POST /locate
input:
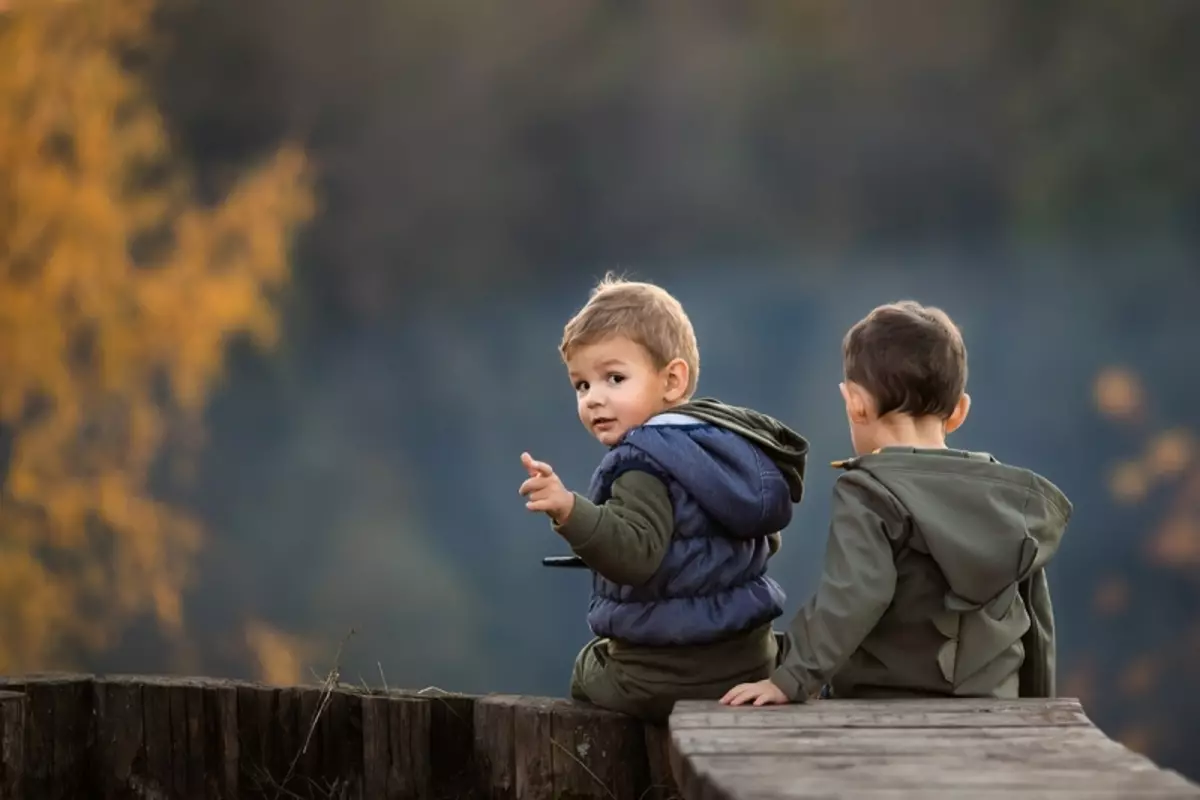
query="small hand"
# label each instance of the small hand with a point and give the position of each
(763, 693)
(544, 491)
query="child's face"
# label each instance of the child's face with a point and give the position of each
(618, 387)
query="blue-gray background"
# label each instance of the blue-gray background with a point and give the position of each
(781, 167)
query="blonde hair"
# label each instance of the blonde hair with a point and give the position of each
(644, 313)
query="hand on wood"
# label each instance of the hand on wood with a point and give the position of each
(762, 693)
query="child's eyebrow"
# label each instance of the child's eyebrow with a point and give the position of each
(611, 362)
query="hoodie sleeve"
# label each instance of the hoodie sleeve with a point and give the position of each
(625, 538)
(856, 586)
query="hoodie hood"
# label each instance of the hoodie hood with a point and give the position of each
(987, 525)
(745, 469)
(785, 447)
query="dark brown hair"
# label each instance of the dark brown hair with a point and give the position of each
(910, 357)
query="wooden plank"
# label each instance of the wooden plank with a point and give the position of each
(893, 793)
(495, 756)
(70, 698)
(157, 768)
(796, 741)
(396, 754)
(120, 738)
(59, 732)
(451, 738)
(908, 749)
(290, 732)
(213, 747)
(947, 772)
(12, 745)
(533, 736)
(832, 714)
(309, 765)
(176, 700)
(410, 743)
(341, 745)
(962, 705)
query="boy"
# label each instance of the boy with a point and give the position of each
(681, 516)
(934, 580)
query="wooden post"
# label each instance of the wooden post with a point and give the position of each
(131, 736)
(59, 733)
(494, 747)
(120, 738)
(396, 750)
(12, 745)
(658, 755)
(532, 747)
(451, 740)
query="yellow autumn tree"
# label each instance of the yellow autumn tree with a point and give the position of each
(119, 294)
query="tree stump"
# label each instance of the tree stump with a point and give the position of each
(12, 745)
(542, 748)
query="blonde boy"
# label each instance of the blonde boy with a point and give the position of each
(681, 516)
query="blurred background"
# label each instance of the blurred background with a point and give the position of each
(282, 284)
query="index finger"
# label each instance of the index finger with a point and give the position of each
(536, 467)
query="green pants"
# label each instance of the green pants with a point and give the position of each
(646, 682)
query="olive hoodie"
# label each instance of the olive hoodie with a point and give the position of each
(933, 583)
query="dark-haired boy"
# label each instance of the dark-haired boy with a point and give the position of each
(934, 578)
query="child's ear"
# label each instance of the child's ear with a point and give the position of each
(675, 377)
(858, 405)
(959, 415)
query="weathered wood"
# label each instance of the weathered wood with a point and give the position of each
(59, 732)
(907, 749)
(495, 747)
(880, 713)
(597, 753)
(158, 774)
(120, 738)
(396, 748)
(214, 752)
(12, 745)
(205, 739)
(451, 741)
(658, 757)
(342, 747)
(260, 767)
(290, 731)
(534, 747)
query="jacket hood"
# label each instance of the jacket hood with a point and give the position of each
(745, 469)
(785, 447)
(987, 525)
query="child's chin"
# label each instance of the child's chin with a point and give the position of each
(609, 438)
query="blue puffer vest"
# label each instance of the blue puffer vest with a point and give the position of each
(727, 496)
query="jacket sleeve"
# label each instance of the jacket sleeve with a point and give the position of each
(856, 586)
(625, 538)
(1037, 675)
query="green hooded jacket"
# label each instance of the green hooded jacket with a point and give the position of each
(934, 581)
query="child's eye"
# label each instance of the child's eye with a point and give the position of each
(615, 378)
(581, 386)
